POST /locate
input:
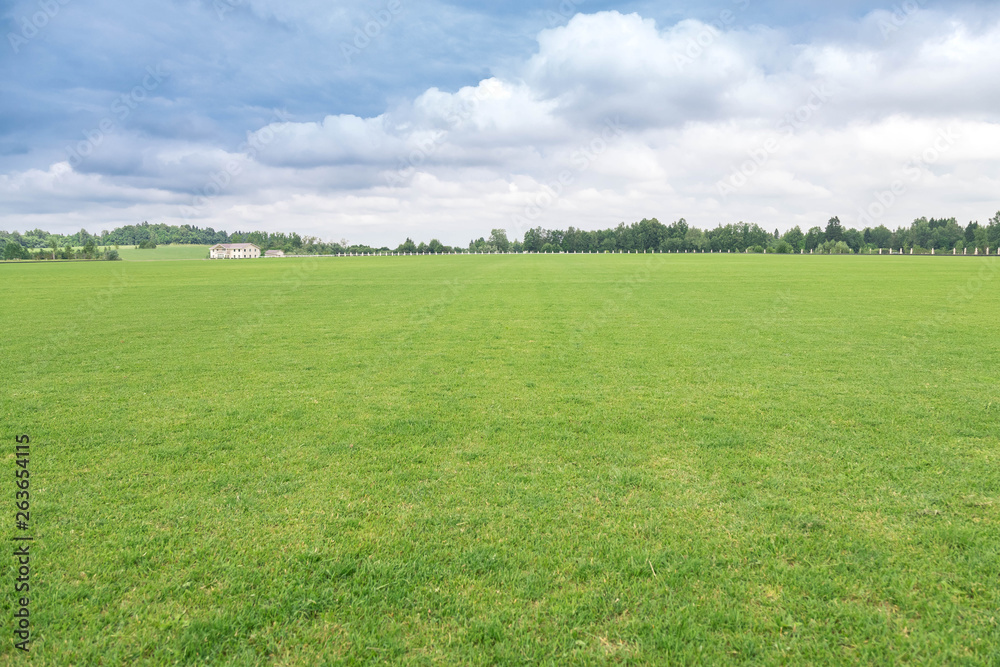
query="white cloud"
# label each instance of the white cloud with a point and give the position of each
(612, 119)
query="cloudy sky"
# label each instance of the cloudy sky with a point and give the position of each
(380, 119)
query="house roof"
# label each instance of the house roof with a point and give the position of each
(235, 246)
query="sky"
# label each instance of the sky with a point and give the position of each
(377, 120)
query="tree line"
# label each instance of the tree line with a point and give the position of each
(647, 235)
(129, 235)
(14, 250)
(651, 235)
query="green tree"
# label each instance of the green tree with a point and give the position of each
(534, 240)
(794, 237)
(970, 232)
(993, 232)
(834, 230)
(498, 238)
(854, 239)
(15, 250)
(695, 240)
(880, 237)
(921, 234)
(833, 248)
(981, 239)
(813, 238)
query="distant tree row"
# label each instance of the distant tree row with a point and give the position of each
(134, 235)
(653, 236)
(941, 234)
(14, 250)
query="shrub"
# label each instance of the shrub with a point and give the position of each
(831, 248)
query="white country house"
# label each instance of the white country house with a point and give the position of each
(234, 251)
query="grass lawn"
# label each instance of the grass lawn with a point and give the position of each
(508, 459)
(132, 254)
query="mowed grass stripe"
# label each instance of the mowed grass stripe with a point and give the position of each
(510, 458)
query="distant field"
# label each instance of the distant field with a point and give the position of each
(661, 459)
(130, 253)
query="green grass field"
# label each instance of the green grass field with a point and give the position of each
(161, 252)
(507, 460)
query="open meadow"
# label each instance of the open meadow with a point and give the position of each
(163, 252)
(523, 459)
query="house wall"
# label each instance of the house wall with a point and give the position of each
(235, 253)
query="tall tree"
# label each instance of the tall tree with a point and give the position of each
(880, 237)
(834, 230)
(498, 238)
(970, 232)
(533, 240)
(814, 237)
